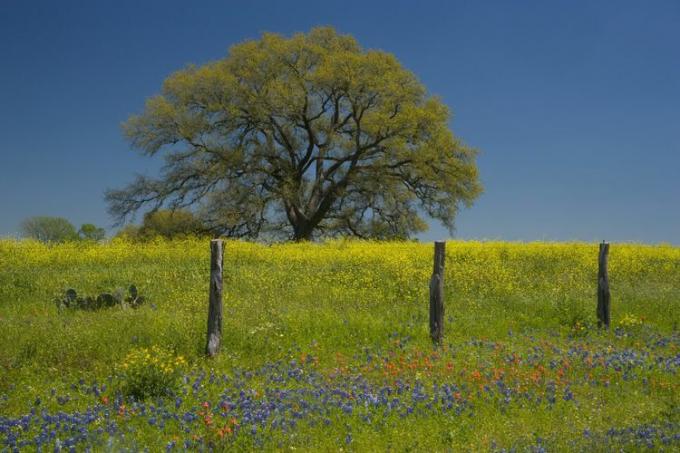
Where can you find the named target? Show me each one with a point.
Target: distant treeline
(165, 223)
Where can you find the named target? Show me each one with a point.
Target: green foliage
(91, 232)
(168, 224)
(49, 229)
(302, 137)
(150, 372)
(574, 317)
(128, 233)
(59, 229)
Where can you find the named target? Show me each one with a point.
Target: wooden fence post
(603, 295)
(437, 293)
(215, 301)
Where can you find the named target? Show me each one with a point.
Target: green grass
(517, 308)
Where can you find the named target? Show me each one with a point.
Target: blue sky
(574, 106)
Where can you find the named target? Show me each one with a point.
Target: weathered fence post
(215, 302)
(603, 295)
(437, 293)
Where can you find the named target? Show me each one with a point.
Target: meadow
(326, 348)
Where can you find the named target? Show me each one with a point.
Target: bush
(150, 372)
(574, 318)
(629, 324)
(164, 223)
(128, 233)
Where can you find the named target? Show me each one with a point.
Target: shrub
(629, 324)
(150, 372)
(574, 318)
(164, 223)
(630, 321)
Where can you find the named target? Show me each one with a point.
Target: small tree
(128, 232)
(164, 223)
(91, 232)
(170, 224)
(49, 229)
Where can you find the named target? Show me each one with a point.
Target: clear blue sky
(574, 106)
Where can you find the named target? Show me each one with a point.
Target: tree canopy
(49, 229)
(91, 232)
(165, 223)
(302, 137)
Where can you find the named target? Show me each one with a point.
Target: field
(326, 347)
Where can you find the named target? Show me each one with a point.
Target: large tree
(301, 137)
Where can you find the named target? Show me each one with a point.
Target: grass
(320, 339)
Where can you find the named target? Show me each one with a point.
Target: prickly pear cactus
(71, 296)
(134, 299)
(103, 300)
